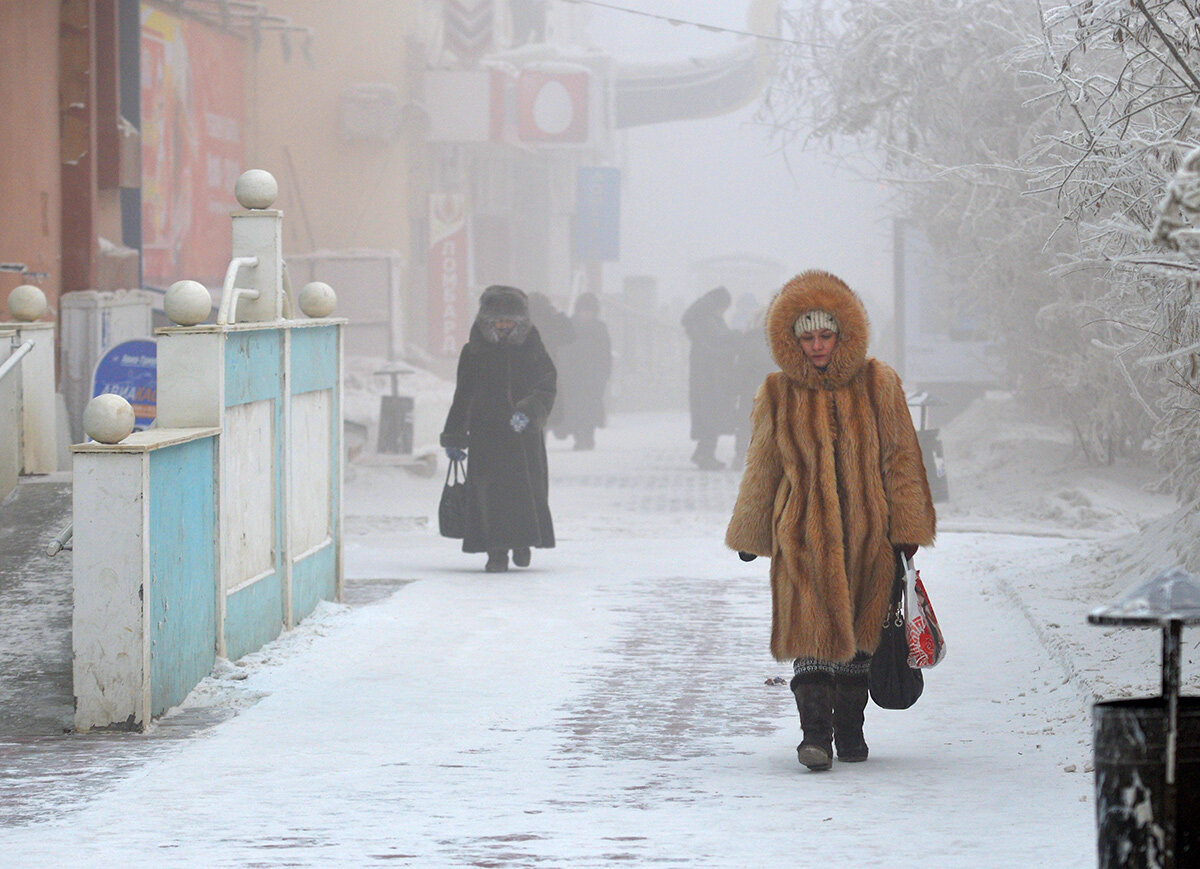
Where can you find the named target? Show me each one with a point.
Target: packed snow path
(607, 705)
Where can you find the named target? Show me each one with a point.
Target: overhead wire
(681, 22)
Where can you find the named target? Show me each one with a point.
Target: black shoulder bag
(894, 684)
(452, 510)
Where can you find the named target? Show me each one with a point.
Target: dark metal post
(1172, 640)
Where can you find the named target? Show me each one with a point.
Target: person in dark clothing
(710, 381)
(586, 368)
(751, 368)
(505, 390)
(558, 332)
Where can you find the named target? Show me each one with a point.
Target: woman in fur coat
(834, 487)
(504, 393)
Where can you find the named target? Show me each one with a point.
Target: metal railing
(61, 541)
(230, 294)
(19, 353)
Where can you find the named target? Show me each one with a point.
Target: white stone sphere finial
(108, 418)
(317, 299)
(187, 303)
(256, 189)
(26, 303)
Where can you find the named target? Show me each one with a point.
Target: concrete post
(39, 424)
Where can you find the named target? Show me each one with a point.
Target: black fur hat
(504, 303)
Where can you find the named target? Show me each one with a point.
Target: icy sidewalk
(606, 705)
(577, 716)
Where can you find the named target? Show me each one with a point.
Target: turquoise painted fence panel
(183, 557)
(253, 366)
(335, 456)
(253, 616)
(314, 358)
(280, 503)
(314, 579)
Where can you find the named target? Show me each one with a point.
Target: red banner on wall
(193, 146)
(449, 276)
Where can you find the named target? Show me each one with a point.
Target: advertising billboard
(193, 146)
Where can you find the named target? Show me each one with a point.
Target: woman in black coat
(505, 390)
(557, 333)
(710, 378)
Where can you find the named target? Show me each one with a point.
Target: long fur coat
(507, 473)
(833, 480)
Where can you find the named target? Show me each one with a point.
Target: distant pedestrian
(745, 312)
(710, 378)
(503, 396)
(584, 374)
(834, 489)
(558, 333)
(752, 364)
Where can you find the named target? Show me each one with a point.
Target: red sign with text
(449, 276)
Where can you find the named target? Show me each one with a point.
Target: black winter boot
(521, 556)
(814, 700)
(849, 700)
(497, 561)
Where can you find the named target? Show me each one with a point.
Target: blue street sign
(597, 229)
(130, 370)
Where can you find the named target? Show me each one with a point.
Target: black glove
(746, 556)
(909, 549)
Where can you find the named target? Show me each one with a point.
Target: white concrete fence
(28, 425)
(211, 533)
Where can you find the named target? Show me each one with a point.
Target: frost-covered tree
(1127, 76)
(1030, 141)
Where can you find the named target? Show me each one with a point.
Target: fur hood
(501, 303)
(822, 291)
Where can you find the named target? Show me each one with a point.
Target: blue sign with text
(130, 370)
(597, 230)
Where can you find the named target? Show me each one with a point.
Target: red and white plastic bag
(926, 645)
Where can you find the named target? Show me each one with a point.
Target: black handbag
(894, 684)
(452, 510)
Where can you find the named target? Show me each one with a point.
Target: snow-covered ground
(610, 703)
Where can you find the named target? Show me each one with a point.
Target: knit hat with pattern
(814, 320)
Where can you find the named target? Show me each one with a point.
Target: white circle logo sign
(553, 109)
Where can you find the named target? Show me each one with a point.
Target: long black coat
(586, 368)
(711, 395)
(558, 333)
(507, 472)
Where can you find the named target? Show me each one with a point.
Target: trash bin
(1147, 750)
(395, 417)
(930, 440)
(396, 424)
(1130, 740)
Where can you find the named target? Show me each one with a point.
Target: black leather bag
(894, 684)
(452, 510)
